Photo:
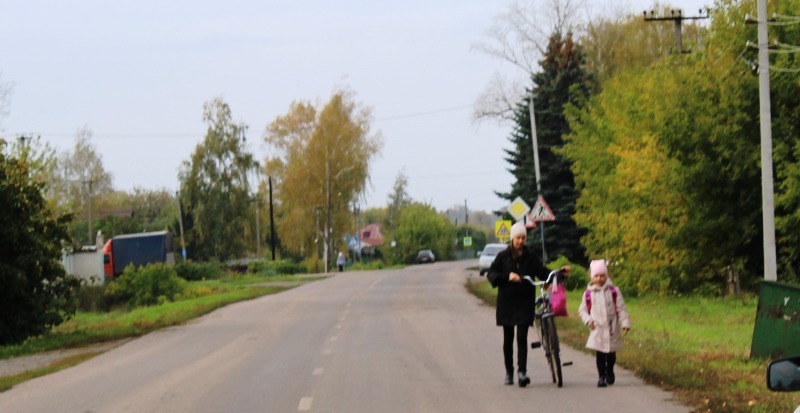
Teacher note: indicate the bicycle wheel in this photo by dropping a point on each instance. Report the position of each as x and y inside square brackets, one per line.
[555, 351]
[547, 345]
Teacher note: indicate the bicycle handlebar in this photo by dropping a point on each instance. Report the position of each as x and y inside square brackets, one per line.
[534, 283]
[549, 280]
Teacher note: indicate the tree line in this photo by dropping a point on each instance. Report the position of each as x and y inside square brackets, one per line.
[651, 158]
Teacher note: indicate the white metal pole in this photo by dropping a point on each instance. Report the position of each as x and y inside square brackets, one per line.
[767, 192]
[535, 145]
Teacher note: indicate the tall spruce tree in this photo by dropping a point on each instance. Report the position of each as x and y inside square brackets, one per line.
[563, 80]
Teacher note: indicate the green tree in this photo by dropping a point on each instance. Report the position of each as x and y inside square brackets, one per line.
[37, 293]
[79, 185]
[479, 238]
[561, 81]
[420, 226]
[320, 169]
[398, 199]
[628, 41]
[215, 188]
[669, 169]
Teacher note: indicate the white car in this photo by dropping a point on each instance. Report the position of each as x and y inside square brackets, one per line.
[486, 258]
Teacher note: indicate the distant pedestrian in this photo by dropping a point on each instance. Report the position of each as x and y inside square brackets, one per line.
[341, 261]
[603, 311]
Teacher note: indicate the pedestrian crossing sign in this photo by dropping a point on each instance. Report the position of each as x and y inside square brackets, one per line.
[502, 229]
[541, 211]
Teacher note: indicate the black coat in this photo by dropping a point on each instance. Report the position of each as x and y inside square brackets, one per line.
[515, 300]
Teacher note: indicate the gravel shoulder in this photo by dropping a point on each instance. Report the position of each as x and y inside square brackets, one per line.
[17, 365]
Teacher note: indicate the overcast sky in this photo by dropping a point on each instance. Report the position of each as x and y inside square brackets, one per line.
[138, 73]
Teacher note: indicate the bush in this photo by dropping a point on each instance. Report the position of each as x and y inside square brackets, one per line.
[149, 285]
[578, 276]
[93, 298]
[367, 265]
[196, 271]
[279, 267]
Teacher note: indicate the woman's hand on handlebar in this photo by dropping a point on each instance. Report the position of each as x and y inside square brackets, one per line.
[514, 277]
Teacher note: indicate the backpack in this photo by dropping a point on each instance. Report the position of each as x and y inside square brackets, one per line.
[588, 297]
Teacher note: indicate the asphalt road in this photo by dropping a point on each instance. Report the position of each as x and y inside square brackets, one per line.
[411, 340]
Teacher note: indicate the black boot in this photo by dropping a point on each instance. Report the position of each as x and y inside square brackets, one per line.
[601, 382]
[612, 359]
[509, 379]
[524, 380]
[610, 379]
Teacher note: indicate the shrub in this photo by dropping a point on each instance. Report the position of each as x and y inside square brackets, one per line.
[149, 285]
[578, 276]
[93, 298]
[367, 265]
[195, 271]
[279, 267]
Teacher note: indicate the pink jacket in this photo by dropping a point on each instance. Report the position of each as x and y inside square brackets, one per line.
[609, 321]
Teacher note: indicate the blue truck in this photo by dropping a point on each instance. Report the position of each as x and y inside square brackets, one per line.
[137, 249]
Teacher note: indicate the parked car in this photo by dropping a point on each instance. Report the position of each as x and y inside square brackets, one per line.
[486, 258]
[784, 375]
[426, 256]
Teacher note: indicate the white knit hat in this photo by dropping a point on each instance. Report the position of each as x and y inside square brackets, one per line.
[518, 229]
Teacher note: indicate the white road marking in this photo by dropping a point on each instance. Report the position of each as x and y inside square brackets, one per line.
[305, 403]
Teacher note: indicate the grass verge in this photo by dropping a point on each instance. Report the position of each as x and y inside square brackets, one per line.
[11, 381]
[91, 328]
[696, 347]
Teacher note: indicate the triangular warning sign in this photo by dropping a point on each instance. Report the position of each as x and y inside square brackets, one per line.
[503, 231]
[542, 212]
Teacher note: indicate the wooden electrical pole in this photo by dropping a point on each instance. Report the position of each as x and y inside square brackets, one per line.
[678, 19]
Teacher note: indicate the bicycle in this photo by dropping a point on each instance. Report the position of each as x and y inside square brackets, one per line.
[548, 335]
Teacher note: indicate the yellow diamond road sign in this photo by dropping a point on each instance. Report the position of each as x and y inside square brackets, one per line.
[518, 209]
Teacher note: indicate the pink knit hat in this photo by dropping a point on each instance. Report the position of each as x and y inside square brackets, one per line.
[598, 267]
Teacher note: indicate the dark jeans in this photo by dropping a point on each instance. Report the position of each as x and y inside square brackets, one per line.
[605, 363]
[522, 348]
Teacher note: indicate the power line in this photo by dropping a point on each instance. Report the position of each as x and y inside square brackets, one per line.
[249, 133]
[427, 113]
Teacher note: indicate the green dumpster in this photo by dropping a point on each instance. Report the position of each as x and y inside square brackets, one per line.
[777, 328]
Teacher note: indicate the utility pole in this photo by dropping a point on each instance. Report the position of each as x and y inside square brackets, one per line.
[180, 224]
[535, 145]
[271, 220]
[89, 183]
[677, 19]
[258, 227]
[466, 218]
[767, 190]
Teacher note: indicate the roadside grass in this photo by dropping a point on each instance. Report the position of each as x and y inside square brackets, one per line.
[91, 328]
[696, 347]
[11, 381]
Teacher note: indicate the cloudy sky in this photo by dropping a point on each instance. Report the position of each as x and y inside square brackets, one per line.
[138, 73]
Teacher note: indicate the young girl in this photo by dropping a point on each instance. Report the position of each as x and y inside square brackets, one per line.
[603, 311]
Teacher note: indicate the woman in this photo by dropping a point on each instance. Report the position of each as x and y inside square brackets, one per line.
[515, 299]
